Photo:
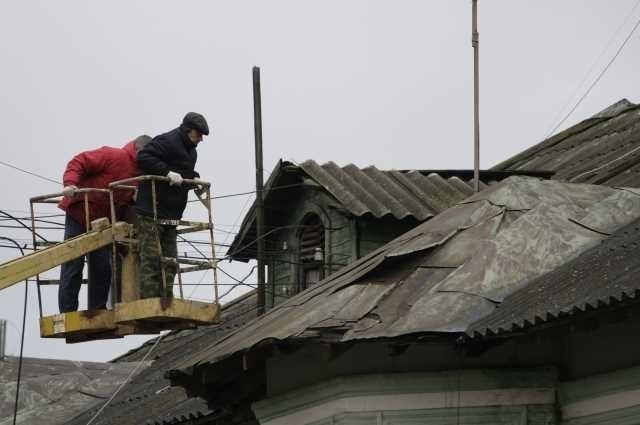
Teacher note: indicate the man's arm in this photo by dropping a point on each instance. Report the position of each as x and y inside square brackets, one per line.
[152, 158]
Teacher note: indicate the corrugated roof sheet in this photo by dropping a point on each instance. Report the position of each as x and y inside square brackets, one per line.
[149, 398]
[54, 391]
[448, 272]
[606, 274]
[604, 149]
[419, 194]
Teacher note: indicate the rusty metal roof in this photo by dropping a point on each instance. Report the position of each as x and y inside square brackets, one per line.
[449, 272]
[603, 149]
[605, 275]
[53, 391]
[419, 194]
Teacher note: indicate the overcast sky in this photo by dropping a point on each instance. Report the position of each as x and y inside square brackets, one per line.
[384, 83]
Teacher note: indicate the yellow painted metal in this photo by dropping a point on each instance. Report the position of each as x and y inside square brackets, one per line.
[37, 262]
[77, 323]
[167, 313]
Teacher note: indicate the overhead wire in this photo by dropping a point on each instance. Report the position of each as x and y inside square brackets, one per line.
[121, 386]
[24, 321]
[591, 68]
[6, 164]
[600, 75]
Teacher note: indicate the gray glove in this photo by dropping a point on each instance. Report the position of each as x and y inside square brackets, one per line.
[174, 178]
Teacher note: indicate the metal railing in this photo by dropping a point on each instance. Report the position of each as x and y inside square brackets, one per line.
[202, 190]
[55, 198]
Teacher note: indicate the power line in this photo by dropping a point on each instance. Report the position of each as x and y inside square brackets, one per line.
[591, 68]
[593, 84]
[126, 380]
[24, 320]
[6, 164]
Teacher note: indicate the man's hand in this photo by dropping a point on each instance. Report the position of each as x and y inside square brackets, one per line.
[69, 191]
[174, 178]
[198, 190]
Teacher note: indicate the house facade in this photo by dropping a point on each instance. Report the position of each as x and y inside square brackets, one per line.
[512, 307]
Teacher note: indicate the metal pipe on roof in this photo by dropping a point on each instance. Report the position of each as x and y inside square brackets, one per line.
[257, 127]
[475, 42]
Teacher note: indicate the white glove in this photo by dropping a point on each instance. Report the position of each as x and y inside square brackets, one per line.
[69, 191]
[174, 178]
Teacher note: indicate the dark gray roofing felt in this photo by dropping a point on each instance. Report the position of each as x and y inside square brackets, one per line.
[448, 272]
[604, 149]
[148, 398]
[53, 391]
[606, 274]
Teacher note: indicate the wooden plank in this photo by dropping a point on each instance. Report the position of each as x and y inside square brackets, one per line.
[40, 261]
[84, 322]
[159, 310]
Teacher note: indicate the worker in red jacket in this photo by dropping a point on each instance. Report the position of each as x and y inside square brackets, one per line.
[94, 169]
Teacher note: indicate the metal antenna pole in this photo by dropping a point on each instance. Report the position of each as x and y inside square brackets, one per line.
[475, 42]
[257, 126]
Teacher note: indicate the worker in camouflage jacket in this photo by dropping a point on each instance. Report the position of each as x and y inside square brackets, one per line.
[94, 169]
[173, 155]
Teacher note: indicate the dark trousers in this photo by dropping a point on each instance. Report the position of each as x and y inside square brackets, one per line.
[71, 274]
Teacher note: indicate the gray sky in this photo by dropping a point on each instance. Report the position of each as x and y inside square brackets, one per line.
[387, 83]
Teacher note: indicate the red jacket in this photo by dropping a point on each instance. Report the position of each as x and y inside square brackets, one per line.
[96, 169]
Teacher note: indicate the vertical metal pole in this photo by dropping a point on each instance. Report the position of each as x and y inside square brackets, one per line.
[257, 126]
[3, 338]
[475, 42]
[213, 246]
[87, 225]
[156, 228]
[115, 292]
[33, 235]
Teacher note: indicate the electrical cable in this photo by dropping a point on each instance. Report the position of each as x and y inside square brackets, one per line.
[6, 164]
[591, 68]
[593, 84]
[126, 380]
[24, 321]
[23, 225]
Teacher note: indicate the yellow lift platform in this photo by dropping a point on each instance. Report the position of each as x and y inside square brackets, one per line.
[130, 314]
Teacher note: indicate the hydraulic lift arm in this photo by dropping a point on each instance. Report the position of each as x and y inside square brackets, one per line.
[17, 270]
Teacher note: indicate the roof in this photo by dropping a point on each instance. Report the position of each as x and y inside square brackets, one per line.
[53, 391]
[447, 273]
[603, 149]
[149, 398]
[605, 275]
[417, 194]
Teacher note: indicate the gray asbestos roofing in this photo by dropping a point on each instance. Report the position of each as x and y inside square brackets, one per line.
[401, 194]
[54, 391]
[448, 272]
[148, 398]
[604, 149]
[416, 194]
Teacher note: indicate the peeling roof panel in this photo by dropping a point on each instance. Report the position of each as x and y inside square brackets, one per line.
[604, 149]
[605, 274]
[449, 272]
